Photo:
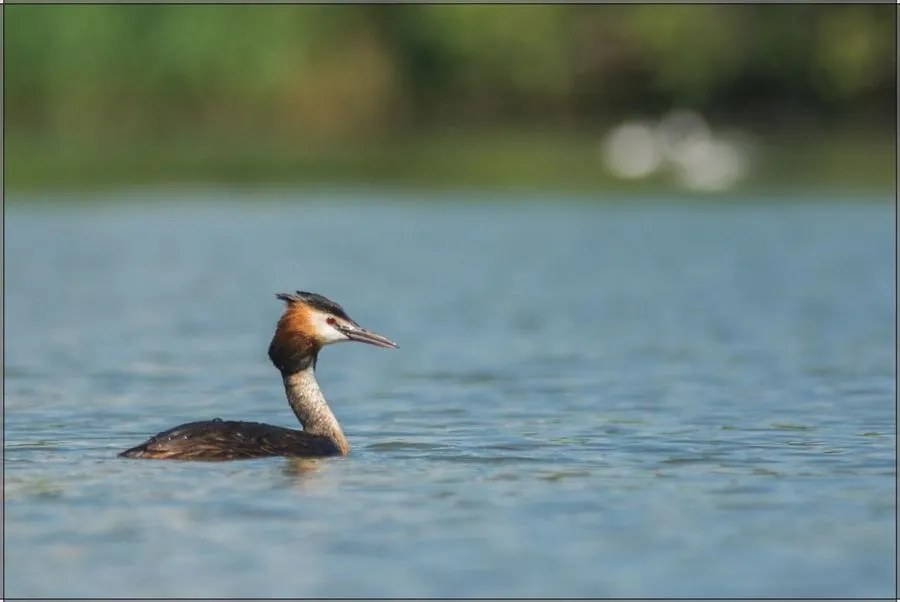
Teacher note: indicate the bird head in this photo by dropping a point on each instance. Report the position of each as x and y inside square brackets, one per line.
[309, 322]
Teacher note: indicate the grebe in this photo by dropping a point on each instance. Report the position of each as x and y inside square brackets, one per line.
[309, 322]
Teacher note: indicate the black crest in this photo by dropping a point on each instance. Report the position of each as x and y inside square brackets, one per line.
[315, 301]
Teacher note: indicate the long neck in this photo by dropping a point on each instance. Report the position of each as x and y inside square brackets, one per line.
[311, 409]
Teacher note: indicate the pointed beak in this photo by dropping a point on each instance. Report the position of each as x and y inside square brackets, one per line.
[357, 333]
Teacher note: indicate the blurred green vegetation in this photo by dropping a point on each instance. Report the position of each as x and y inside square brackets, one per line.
[476, 95]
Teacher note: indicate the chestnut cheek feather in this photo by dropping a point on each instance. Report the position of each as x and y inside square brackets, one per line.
[291, 349]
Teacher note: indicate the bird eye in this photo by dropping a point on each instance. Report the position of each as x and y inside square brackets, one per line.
[331, 320]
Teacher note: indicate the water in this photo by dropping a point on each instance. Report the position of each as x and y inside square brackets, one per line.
[589, 400]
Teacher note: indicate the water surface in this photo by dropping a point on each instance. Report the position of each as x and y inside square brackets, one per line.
[589, 399]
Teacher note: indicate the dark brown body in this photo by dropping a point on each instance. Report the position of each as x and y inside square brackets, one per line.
[231, 440]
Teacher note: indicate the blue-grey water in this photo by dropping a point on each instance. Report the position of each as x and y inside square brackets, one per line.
[589, 399]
